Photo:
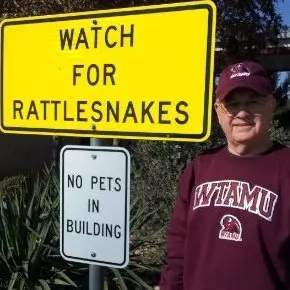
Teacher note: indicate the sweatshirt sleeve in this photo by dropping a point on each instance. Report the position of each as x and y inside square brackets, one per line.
[172, 275]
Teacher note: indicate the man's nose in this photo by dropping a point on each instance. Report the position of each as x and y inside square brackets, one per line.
[243, 112]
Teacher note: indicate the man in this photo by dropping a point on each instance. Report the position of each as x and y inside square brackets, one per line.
[230, 229]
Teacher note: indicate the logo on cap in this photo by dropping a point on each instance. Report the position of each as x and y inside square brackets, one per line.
[231, 228]
[240, 70]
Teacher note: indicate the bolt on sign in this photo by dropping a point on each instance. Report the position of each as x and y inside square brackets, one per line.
[136, 73]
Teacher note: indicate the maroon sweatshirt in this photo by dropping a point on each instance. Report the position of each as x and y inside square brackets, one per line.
[230, 229]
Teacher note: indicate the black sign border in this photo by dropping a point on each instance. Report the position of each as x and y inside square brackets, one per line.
[92, 261]
[96, 133]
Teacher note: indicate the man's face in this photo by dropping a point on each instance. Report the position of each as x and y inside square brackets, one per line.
[244, 116]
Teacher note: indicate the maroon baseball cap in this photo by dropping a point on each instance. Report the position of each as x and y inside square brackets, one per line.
[246, 74]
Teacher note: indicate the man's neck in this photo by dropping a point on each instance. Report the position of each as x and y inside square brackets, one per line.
[247, 150]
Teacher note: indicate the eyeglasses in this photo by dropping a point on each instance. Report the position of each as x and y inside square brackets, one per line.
[232, 108]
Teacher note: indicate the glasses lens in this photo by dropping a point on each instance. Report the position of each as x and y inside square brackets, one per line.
[233, 108]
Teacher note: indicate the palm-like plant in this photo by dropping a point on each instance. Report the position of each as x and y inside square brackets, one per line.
[29, 208]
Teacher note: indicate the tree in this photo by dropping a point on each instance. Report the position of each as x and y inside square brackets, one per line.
[245, 27]
[283, 110]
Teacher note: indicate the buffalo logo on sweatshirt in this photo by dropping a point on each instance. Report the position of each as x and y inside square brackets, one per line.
[231, 228]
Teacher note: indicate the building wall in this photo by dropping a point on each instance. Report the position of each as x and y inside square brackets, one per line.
[28, 153]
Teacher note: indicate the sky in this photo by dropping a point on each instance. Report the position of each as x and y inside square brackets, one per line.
[283, 7]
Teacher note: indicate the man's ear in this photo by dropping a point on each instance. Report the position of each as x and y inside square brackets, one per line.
[217, 109]
[273, 103]
[216, 106]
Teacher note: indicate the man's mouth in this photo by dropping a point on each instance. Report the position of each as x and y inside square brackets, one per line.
[244, 125]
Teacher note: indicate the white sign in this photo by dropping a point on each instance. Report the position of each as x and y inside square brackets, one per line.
[94, 211]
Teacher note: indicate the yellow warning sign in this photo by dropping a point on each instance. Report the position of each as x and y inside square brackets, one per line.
[137, 73]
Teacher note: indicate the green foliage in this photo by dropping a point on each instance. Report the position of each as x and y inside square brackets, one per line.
[279, 134]
[28, 225]
[143, 244]
[280, 92]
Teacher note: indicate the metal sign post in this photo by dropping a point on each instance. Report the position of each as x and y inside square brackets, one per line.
[96, 277]
[96, 274]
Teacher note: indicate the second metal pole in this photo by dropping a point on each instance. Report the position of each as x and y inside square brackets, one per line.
[96, 277]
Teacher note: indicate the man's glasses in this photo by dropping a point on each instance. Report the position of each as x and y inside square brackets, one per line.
[232, 108]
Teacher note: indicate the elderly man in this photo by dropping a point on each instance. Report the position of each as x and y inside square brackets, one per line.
[230, 229]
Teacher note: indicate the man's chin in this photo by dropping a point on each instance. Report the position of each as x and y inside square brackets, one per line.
[244, 138]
